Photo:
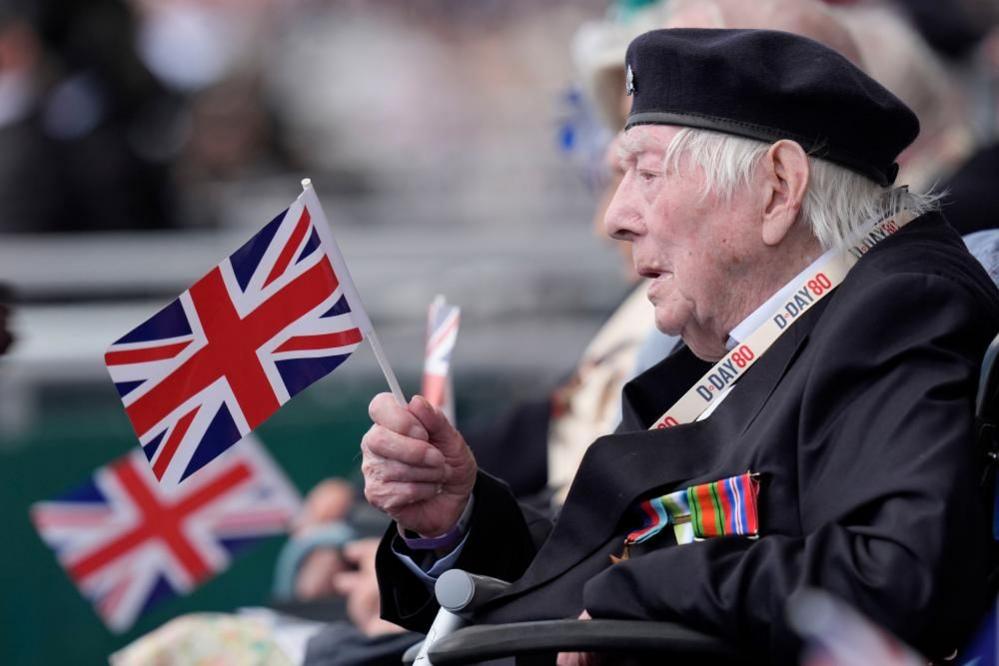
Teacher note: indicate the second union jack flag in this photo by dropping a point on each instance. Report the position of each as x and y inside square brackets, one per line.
[219, 360]
[443, 321]
[129, 542]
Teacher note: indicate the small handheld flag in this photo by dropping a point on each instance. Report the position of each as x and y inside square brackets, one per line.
[275, 316]
[443, 321]
[129, 542]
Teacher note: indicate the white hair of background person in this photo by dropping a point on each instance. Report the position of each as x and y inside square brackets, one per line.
[841, 206]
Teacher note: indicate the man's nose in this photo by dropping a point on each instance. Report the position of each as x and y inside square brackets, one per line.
[622, 220]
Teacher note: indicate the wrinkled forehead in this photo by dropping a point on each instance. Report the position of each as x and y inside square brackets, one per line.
[642, 139]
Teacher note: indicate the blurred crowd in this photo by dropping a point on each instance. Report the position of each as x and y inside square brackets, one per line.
[122, 114]
[127, 115]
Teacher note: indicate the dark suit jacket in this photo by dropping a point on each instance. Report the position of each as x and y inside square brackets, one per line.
[859, 421]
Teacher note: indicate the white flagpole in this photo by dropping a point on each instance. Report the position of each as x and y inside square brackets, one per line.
[349, 289]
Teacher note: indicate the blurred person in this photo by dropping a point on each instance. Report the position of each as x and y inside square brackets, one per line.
[233, 134]
[84, 128]
[897, 56]
[949, 153]
[6, 334]
[972, 203]
[768, 158]
[215, 55]
[952, 27]
[20, 53]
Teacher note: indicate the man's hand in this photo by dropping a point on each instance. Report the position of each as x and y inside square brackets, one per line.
[417, 467]
[360, 588]
[328, 502]
[579, 658]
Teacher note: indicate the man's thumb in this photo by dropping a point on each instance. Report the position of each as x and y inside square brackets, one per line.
[441, 432]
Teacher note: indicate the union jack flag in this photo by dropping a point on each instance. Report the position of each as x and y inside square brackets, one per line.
[442, 333]
[129, 542]
[258, 328]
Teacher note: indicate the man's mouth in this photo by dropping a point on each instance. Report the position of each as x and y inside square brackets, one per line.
[654, 273]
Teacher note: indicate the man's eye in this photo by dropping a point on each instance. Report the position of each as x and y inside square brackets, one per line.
[648, 176]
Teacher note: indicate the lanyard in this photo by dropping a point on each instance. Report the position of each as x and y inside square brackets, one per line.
[809, 290]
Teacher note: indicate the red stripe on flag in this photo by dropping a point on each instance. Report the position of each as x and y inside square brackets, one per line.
[433, 389]
[55, 518]
[170, 448]
[144, 355]
[110, 601]
[308, 342]
[232, 343]
[163, 522]
[442, 333]
[256, 522]
[289, 249]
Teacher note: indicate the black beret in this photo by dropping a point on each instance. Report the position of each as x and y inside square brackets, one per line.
[769, 85]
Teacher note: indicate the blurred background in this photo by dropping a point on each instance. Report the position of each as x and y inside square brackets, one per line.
[453, 149]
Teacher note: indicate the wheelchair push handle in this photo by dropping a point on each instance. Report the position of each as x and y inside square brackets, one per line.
[461, 592]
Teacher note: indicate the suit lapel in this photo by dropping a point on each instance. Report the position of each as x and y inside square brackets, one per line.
[754, 389]
[619, 469]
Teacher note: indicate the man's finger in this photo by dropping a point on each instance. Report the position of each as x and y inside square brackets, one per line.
[390, 445]
[376, 468]
[439, 429]
[395, 496]
[385, 411]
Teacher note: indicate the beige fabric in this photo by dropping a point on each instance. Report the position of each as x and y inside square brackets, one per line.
[204, 639]
[588, 406]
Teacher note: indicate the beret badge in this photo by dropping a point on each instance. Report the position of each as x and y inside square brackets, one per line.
[629, 82]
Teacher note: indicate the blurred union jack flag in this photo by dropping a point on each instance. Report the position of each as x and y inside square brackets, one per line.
[443, 321]
[219, 360]
[129, 542]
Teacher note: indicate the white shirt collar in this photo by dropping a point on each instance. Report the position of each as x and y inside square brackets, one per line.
[770, 307]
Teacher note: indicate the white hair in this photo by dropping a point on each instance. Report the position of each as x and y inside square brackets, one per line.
[840, 206]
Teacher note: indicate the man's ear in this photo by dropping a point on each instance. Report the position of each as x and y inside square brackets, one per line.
[785, 175]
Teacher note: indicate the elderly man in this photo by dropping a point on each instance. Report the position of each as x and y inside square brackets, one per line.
[815, 430]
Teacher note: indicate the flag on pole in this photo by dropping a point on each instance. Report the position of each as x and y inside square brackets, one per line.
[278, 314]
[129, 542]
[442, 333]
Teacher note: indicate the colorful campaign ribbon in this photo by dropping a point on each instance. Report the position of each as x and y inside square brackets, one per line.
[812, 288]
[721, 508]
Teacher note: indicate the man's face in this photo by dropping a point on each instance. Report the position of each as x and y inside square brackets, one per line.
[698, 250]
